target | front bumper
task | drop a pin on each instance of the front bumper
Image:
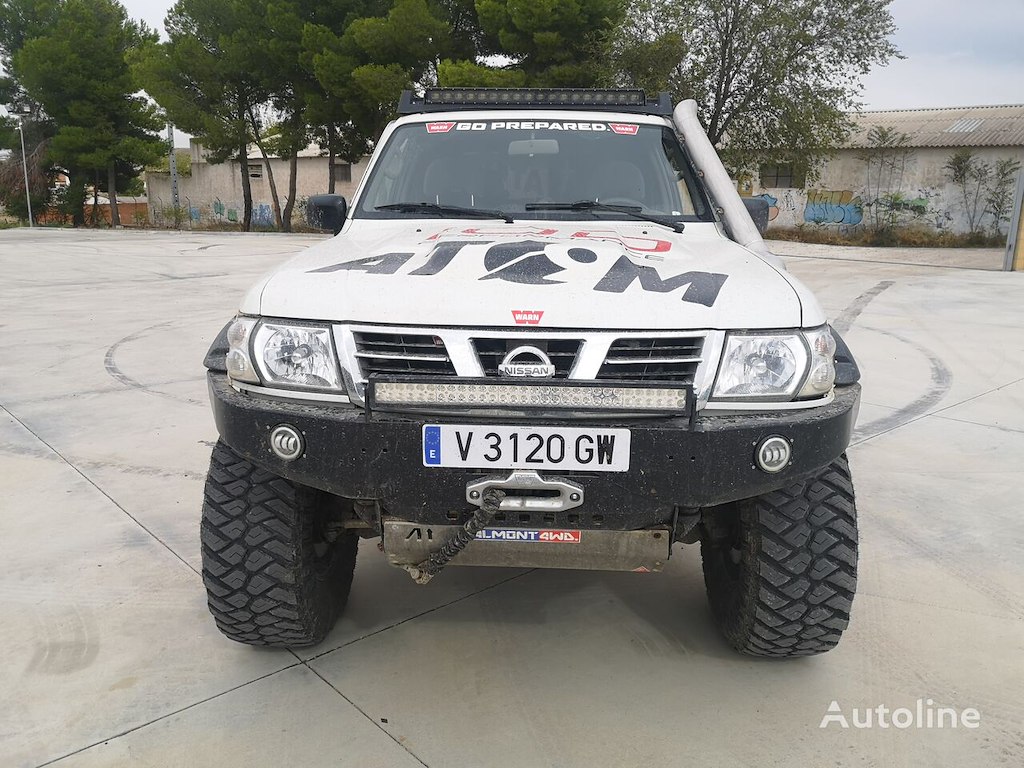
(379, 457)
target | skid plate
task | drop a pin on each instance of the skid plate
(640, 551)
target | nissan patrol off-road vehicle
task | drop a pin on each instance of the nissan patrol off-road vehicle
(547, 334)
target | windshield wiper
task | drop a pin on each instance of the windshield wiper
(446, 210)
(589, 205)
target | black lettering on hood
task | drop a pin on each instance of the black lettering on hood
(701, 287)
(443, 254)
(384, 264)
(526, 263)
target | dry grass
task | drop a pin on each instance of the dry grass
(901, 237)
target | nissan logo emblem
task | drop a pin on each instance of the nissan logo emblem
(527, 362)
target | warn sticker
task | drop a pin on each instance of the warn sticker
(519, 534)
(439, 127)
(527, 316)
(624, 129)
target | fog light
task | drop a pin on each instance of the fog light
(286, 442)
(774, 453)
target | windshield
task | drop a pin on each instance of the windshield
(510, 167)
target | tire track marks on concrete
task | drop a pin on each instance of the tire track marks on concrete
(14, 449)
(110, 364)
(938, 387)
(78, 470)
(848, 316)
(941, 375)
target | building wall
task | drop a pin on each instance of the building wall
(844, 198)
(213, 193)
(132, 211)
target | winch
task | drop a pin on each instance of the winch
(424, 550)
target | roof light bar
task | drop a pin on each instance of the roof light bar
(531, 96)
(456, 99)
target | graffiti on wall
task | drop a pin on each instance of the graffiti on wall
(773, 205)
(787, 203)
(776, 204)
(262, 216)
(851, 210)
(935, 212)
(222, 212)
(194, 214)
(902, 210)
(826, 206)
(915, 206)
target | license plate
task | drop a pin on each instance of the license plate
(566, 448)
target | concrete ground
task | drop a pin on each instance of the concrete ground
(112, 658)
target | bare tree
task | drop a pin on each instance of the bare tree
(999, 197)
(886, 159)
(971, 175)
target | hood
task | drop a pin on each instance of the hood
(582, 276)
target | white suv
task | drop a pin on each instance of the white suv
(546, 334)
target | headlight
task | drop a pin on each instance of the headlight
(761, 366)
(784, 366)
(822, 374)
(238, 362)
(296, 356)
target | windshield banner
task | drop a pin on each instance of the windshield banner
(623, 129)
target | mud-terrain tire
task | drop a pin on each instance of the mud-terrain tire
(275, 574)
(781, 569)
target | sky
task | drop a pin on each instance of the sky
(958, 53)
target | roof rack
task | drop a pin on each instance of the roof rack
(591, 99)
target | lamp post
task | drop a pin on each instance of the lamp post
(24, 165)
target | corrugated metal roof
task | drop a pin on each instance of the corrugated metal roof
(998, 126)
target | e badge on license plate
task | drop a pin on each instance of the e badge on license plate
(567, 448)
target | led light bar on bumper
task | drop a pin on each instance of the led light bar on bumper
(395, 393)
(776, 367)
(283, 355)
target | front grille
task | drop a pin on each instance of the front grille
(671, 359)
(405, 353)
(561, 352)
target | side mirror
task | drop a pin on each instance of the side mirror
(326, 212)
(757, 207)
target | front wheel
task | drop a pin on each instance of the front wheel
(781, 569)
(277, 563)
